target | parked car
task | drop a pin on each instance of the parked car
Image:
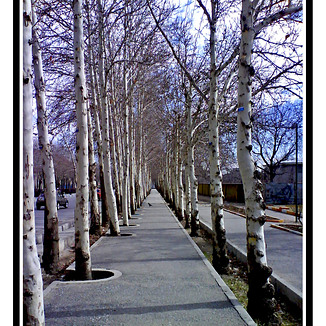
(61, 201)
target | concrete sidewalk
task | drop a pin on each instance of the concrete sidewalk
(165, 280)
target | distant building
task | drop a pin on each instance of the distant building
(232, 186)
(282, 189)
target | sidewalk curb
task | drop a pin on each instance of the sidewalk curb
(280, 210)
(229, 294)
(281, 286)
(66, 239)
(63, 227)
(268, 218)
(285, 229)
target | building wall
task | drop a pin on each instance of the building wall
(282, 193)
(232, 192)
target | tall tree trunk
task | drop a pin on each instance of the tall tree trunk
(187, 161)
(104, 200)
(125, 189)
(187, 195)
(119, 152)
(115, 160)
(32, 276)
(140, 196)
(168, 177)
(261, 303)
(132, 164)
(51, 232)
(173, 178)
(95, 227)
(193, 183)
(180, 185)
(82, 251)
(113, 214)
(220, 260)
(194, 220)
(126, 108)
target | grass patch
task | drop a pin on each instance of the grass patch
(238, 286)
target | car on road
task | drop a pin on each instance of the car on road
(61, 201)
(99, 194)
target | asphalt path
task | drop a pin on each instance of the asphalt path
(284, 249)
(164, 280)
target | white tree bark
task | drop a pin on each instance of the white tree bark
(187, 161)
(179, 176)
(146, 172)
(140, 191)
(32, 277)
(174, 178)
(220, 260)
(95, 227)
(187, 195)
(96, 113)
(194, 220)
(113, 214)
(51, 232)
(125, 185)
(114, 156)
(260, 295)
(105, 205)
(168, 179)
(132, 164)
(119, 152)
(82, 251)
(193, 184)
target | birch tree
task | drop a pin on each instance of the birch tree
(132, 164)
(139, 186)
(98, 135)
(125, 185)
(51, 232)
(82, 251)
(261, 302)
(180, 207)
(95, 226)
(220, 260)
(260, 295)
(194, 217)
(112, 213)
(33, 307)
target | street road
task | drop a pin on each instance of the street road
(64, 214)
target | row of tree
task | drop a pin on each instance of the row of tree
(106, 112)
(134, 92)
(239, 69)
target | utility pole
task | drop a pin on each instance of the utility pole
(296, 172)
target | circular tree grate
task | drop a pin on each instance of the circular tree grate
(70, 275)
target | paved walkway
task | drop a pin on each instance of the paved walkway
(165, 280)
(284, 249)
